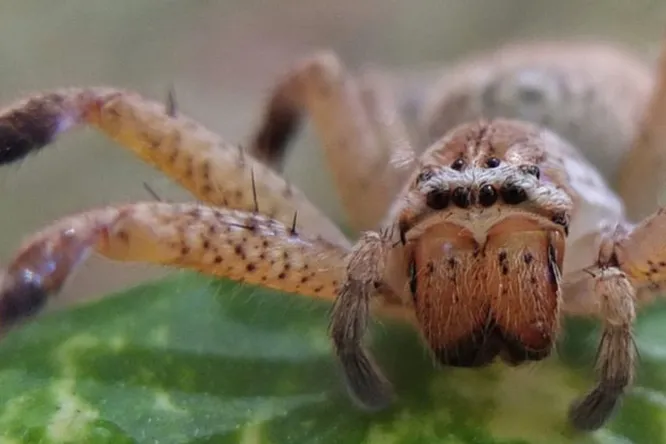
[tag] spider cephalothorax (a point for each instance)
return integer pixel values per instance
(484, 240)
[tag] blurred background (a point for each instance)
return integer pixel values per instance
(221, 57)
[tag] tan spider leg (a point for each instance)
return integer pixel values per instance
(641, 182)
(242, 246)
(614, 298)
(357, 140)
(631, 271)
(211, 169)
(362, 285)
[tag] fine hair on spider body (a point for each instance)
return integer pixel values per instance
(483, 237)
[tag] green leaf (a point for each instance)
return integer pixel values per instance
(197, 360)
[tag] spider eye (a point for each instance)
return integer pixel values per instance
(424, 176)
(462, 197)
(458, 164)
(513, 194)
(531, 169)
(437, 199)
(492, 162)
(487, 195)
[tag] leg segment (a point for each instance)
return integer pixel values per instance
(359, 129)
(242, 246)
(641, 180)
(630, 270)
(616, 356)
(214, 171)
(349, 319)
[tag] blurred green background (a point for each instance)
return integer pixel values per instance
(221, 57)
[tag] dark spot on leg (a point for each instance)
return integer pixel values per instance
(21, 299)
(280, 124)
(123, 235)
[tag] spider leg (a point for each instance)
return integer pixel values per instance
(243, 246)
(359, 127)
(214, 171)
(630, 271)
(364, 276)
(641, 180)
(613, 296)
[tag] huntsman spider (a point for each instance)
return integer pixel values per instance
(483, 223)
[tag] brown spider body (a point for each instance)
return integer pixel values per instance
(484, 235)
(484, 255)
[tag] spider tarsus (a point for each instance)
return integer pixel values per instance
(171, 105)
(29, 128)
(591, 412)
(20, 298)
(349, 320)
(367, 386)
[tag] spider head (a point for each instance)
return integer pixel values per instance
(483, 233)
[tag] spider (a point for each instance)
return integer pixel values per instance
(483, 223)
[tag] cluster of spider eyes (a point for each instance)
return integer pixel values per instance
(486, 196)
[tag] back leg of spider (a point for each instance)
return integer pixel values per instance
(214, 171)
(641, 181)
(358, 125)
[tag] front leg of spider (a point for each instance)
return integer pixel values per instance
(349, 320)
(615, 297)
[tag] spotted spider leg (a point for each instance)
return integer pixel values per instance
(357, 123)
(214, 171)
(292, 247)
(630, 272)
(242, 246)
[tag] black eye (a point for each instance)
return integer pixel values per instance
(437, 199)
(424, 176)
(487, 195)
(458, 164)
(492, 162)
(531, 169)
(462, 197)
(513, 194)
